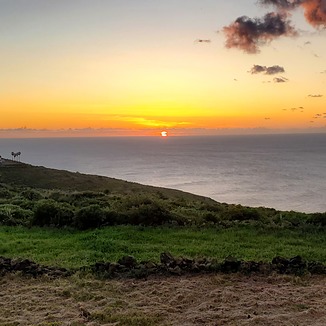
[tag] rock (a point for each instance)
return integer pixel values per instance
(297, 266)
(231, 265)
(167, 259)
(176, 270)
(150, 265)
(112, 269)
(280, 264)
(315, 267)
(128, 261)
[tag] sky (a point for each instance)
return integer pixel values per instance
(191, 67)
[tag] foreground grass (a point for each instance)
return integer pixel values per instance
(69, 248)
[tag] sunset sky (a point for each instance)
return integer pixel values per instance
(122, 67)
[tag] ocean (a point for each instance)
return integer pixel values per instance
(286, 172)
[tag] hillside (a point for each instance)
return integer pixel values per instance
(22, 174)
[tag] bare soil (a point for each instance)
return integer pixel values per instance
(192, 300)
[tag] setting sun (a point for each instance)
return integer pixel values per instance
(164, 133)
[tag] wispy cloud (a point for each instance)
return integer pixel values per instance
(203, 41)
(315, 95)
(280, 80)
(273, 70)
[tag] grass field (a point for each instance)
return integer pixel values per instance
(70, 248)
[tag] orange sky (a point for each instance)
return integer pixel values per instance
(109, 66)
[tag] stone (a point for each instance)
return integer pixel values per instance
(128, 261)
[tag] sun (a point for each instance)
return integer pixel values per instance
(164, 133)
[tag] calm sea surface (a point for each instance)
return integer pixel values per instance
(286, 172)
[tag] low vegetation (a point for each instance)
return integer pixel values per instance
(66, 218)
(73, 249)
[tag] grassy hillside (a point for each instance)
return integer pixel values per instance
(21, 174)
(72, 219)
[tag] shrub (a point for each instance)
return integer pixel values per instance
(89, 217)
(211, 218)
(64, 216)
(23, 203)
(13, 215)
(5, 193)
(240, 213)
(149, 214)
(317, 219)
(295, 219)
(31, 194)
(112, 217)
(45, 212)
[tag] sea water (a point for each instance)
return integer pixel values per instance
(287, 172)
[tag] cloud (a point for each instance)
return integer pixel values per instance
(315, 95)
(273, 70)
(248, 34)
(314, 10)
(282, 4)
(280, 80)
(203, 41)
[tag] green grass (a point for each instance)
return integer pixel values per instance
(69, 248)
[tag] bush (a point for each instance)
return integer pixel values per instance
(112, 217)
(89, 217)
(64, 216)
(13, 215)
(317, 219)
(295, 219)
(211, 218)
(31, 194)
(5, 193)
(240, 213)
(45, 212)
(149, 214)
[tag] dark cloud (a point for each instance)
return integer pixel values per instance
(248, 34)
(315, 95)
(257, 69)
(314, 10)
(280, 80)
(203, 41)
(282, 4)
(273, 70)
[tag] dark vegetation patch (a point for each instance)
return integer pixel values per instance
(80, 210)
(38, 196)
(128, 266)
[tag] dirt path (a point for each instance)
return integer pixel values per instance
(196, 300)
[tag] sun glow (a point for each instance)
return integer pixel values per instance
(164, 133)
